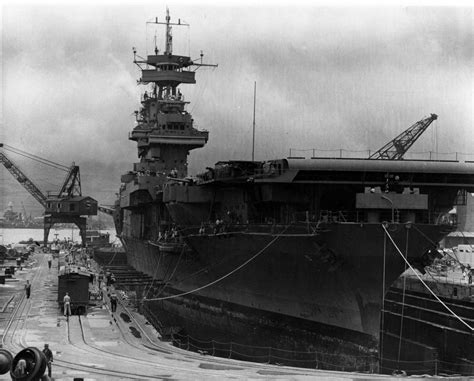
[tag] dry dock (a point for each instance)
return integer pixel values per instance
(118, 346)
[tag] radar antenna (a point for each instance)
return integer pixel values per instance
(396, 148)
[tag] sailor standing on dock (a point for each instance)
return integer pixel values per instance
(50, 261)
(28, 289)
(67, 305)
(49, 358)
(113, 301)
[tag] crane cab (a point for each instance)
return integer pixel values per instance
(73, 206)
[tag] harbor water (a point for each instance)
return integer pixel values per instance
(11, 236)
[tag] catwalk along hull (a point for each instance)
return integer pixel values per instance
(295, 292)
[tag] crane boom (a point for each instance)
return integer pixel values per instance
(106, 209)
(22, 179)
(72, 183)
(68, 206)
(396, 148)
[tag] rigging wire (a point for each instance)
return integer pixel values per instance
(383, 297)
(157, 267)
(435, 281)
(174, 270)
(113, 257)
(167, 272)
(224, 276)
(214, 264)
(422, 281)
(435, 244)
(403, 303)
(35, 158)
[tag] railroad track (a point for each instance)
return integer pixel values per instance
(95, 360)
(131, 357)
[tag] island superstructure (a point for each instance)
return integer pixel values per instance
(164, 134)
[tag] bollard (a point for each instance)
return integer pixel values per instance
(33, 356)
(6, 359)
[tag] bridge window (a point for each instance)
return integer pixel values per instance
(72, 207)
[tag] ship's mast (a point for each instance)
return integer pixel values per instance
(253, 124)
(169, 36)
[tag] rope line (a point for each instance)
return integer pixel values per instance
(314, 356)
(154, 275)
(224, 276)
(383, 296)
(266, 348)
(403, 303)
(435, 281)
(174, 270)
(422, 281)
(113, 257)
(435, 244)
(320, 358)
(35, 158)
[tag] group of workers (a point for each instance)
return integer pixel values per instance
(168, 235)
(22, 367)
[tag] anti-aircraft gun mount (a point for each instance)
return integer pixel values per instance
(66, 206)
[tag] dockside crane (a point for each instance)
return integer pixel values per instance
(66, 206)
(396, 148)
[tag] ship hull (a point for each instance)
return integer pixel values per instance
(228, 330)
(318, 292)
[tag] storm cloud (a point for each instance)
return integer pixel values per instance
(327, 78)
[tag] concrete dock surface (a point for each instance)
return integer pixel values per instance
(102, 345)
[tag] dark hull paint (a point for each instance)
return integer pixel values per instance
(432, 339)
(329, 283)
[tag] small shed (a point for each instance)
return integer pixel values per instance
(465, 254)
(75, 282)
(456, 238)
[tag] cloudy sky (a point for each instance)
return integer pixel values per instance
(327, 78)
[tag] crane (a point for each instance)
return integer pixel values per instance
(66, 206)
(396, 148)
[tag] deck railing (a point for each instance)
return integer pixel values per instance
(341, 153)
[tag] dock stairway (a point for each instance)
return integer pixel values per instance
(127, 277)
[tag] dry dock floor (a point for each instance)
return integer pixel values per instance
(119, 346)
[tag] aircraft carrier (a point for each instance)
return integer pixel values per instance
(285, 260)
